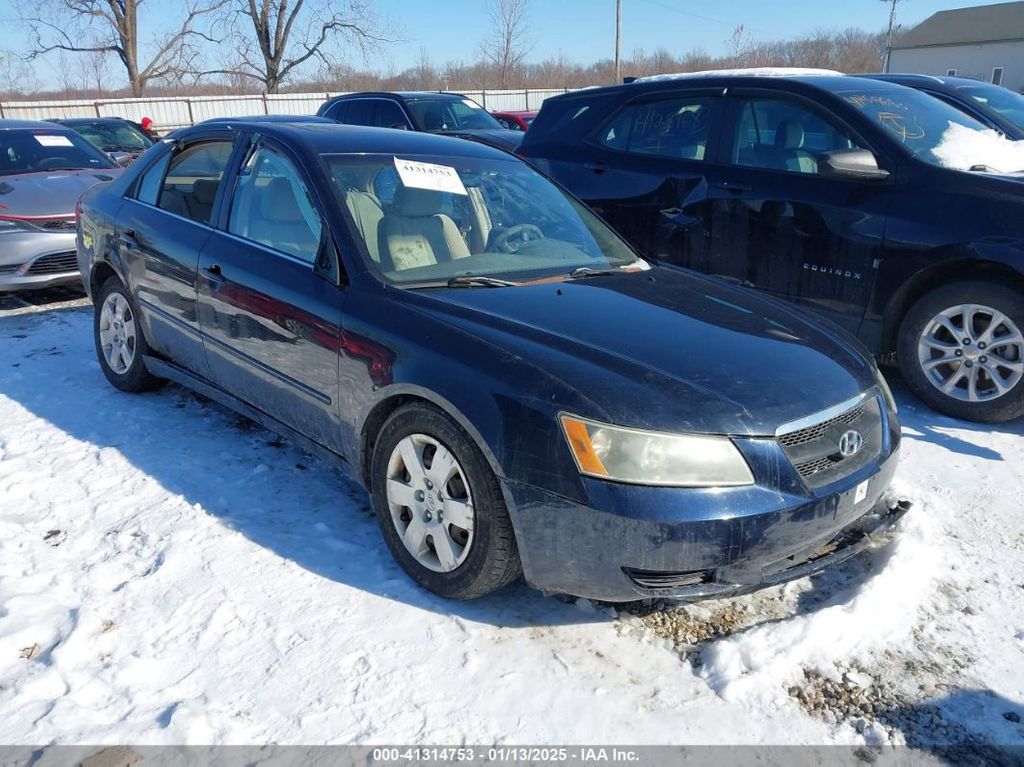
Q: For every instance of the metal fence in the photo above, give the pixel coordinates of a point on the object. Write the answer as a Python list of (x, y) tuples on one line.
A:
[(177, 112)]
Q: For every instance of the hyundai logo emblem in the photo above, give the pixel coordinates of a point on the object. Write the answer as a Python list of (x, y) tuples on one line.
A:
[(850, 443)]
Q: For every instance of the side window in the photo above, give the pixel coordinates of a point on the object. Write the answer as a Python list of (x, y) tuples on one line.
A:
[(152, 181), (782, 135), (390, 115), (337, 111), (676, 128), (272, 206), (359, 112), (192, 180)]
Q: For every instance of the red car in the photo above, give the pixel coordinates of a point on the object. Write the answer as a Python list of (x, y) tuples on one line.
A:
[(514, 120)]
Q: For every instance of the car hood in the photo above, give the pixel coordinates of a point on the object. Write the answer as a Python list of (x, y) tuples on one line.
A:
[(48, 193), (502, 138), (664, 349)]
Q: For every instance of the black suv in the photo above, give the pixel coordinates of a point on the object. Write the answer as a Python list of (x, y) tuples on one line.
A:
[(874, 204), (450, 114), (999, 108)]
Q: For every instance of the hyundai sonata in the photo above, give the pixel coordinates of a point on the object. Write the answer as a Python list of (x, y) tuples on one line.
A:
[(519, 392)]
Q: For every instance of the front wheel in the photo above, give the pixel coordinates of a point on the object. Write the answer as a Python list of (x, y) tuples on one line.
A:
[(439, 506), (961, 350)]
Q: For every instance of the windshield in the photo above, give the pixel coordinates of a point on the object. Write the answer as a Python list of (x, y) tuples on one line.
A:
[(114, 136), (34, 151), (937, 133), (1007, 103), (427, 219), (450, 114)]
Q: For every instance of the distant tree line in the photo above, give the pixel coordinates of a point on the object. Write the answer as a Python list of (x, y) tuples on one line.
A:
[(220, 47)]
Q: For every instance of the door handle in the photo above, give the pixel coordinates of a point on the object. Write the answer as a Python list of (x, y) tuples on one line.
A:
[(214, 274), (735, 186), (597, 166), (128, 238)]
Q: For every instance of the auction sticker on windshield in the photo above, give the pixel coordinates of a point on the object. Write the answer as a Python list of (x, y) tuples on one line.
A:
[(51, 140), (425, 175)]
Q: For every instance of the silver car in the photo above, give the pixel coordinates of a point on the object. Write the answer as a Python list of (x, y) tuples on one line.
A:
[(44, 168)]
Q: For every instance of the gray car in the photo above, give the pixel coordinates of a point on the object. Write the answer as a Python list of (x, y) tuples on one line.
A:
[(44, 169)]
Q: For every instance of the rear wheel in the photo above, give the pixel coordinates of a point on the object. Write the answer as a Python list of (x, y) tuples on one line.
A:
[(439, 506), (120, 344), (961, 349)]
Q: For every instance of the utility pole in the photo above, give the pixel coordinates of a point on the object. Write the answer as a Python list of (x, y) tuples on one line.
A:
[(888, 37), (618, 41)]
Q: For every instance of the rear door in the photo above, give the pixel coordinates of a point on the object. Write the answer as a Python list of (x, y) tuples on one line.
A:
[(783, 226), (269, 299), (648, 169), (162, 228)]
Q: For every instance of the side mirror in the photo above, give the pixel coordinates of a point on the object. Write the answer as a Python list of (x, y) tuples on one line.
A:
[(852, 163)]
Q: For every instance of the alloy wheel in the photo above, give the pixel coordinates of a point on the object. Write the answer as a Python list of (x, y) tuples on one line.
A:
[(430, 502), (117, 333), (971, 352)]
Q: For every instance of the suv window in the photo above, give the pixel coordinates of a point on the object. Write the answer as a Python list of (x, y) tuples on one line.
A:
[(783, 135), (389, 114), (678, 128), (273, 207), (193, 179), (359, 112)]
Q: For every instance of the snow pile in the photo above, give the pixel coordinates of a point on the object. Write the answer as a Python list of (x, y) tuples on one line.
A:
[(963, 148), (748, 72), (878, 614)]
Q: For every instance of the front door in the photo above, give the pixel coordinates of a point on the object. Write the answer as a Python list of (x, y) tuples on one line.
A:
[(780, 224), (269, 302)]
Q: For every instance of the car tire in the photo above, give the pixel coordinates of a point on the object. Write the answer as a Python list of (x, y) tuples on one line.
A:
[(120, 343), (958, 375), (423, 467)]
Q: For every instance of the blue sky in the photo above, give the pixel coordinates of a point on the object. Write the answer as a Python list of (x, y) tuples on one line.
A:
[(583, 30)]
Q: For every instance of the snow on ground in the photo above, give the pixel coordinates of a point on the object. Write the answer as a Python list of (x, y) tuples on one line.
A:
[(170, 573)]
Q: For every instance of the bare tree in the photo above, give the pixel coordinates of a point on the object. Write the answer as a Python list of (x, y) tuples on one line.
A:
[(275, 37), (510, 40), (62, 25)]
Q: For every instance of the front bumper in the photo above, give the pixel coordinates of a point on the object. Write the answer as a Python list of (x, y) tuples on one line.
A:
[(26, 260), (631, 542)]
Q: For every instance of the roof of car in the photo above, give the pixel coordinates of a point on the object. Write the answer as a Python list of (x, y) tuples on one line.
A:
[(916, 79), (9, 124), (401, 94), (328, 137), (85, 120), (250, 119), (818, 79)]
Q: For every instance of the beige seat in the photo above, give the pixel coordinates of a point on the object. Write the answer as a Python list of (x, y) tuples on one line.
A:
[(366, 213), (416, 232), (789, 142)]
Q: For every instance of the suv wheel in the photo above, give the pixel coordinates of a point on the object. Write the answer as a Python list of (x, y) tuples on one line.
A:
[(120, 345), (961, 350), (439, 506)]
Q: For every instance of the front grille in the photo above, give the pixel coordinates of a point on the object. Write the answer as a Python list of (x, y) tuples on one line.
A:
[(55, 264), (814, 449), (55, 224), (812, 433)]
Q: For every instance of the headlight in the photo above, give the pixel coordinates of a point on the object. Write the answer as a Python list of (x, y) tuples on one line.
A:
[(654, 458), (886, 391)]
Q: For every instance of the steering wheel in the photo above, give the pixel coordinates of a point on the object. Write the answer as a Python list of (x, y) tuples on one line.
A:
[(512, 239)]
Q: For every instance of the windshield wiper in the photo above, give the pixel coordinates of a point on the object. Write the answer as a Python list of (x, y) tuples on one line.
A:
[(478, 281), (589, 271)]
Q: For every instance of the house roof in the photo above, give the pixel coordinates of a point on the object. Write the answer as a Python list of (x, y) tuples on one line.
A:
[(967, 26)]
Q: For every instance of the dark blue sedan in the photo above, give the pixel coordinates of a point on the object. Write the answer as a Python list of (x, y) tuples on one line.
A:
[(519, 392)]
